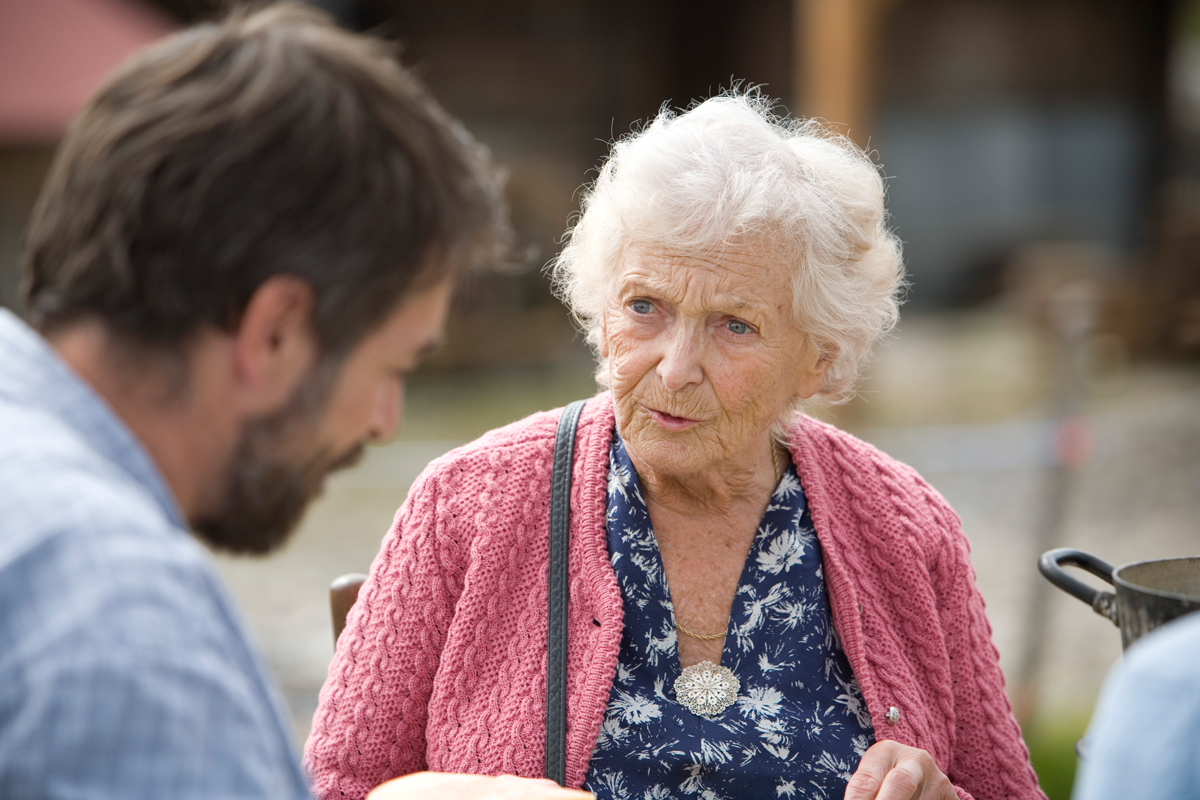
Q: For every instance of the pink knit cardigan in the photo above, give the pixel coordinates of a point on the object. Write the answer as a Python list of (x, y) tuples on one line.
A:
[(442, 664)]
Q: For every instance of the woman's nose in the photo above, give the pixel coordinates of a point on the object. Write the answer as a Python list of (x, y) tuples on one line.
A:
[(680, 364)]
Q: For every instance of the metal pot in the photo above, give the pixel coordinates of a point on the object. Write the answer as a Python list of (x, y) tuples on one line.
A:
[(1148, 594)]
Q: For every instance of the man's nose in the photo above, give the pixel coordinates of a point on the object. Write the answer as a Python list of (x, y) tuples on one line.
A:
[(387, 412)]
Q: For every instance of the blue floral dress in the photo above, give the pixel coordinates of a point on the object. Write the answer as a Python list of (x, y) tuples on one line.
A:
[(799, 725)]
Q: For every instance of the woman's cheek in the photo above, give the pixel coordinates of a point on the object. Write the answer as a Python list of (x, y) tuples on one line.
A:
[(625, 354), (623, 379), (746, 382)]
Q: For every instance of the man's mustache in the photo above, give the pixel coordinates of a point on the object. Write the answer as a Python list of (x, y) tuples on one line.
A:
[(350, 458)]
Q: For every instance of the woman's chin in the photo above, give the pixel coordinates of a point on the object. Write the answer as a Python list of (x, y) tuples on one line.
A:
[(665, 452)]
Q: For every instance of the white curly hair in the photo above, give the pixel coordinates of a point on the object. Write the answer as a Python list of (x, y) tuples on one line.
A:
[(730, 168)]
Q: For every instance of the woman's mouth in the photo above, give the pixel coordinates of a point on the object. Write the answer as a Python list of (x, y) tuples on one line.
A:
[(670, 421)]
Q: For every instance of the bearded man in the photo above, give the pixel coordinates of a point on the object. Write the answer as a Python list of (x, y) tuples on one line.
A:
[(247, 240)]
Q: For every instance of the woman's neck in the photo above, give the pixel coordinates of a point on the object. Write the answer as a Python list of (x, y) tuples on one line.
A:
[(722, 488)]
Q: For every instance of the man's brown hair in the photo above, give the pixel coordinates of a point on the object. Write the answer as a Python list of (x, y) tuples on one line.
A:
[(265, 143)]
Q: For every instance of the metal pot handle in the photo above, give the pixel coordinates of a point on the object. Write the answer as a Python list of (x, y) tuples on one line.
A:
[(1051, 566)]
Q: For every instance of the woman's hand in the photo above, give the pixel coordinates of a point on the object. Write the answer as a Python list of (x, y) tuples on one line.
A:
[(893, 771)]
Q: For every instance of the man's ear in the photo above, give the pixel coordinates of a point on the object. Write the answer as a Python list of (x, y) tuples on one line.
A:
[(273, 346)]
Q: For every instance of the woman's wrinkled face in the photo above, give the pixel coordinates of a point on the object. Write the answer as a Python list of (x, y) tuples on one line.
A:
[(704, 355)]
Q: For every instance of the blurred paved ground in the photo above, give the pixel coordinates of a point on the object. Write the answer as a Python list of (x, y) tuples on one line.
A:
[(962, 399)]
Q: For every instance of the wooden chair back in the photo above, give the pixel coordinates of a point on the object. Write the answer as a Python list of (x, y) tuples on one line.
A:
[(342, 594)]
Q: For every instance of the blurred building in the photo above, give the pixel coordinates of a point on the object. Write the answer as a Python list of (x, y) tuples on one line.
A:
[(1010, 122), (53, 56), (1008, 128), (1001, 123)]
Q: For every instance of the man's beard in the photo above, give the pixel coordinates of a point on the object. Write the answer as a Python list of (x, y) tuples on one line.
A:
[(272, 478)]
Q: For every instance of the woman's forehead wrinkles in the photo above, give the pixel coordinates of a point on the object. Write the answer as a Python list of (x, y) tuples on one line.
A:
[(731, 283)]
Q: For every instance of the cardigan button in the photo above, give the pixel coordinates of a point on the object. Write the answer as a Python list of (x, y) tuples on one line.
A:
[(892, 716)]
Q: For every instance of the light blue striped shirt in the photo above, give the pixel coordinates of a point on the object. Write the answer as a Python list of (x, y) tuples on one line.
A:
[(125, 671)]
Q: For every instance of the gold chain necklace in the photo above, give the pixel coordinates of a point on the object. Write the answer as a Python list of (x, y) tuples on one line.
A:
[(708, 637)]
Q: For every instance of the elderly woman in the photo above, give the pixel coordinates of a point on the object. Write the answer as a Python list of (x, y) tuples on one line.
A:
[(728, 267)]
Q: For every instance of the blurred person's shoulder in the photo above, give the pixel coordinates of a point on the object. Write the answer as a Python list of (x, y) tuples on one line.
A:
[(1144, 737), (89, 553), (59, 487), (1170, 654), (69, 466), (122, 650)]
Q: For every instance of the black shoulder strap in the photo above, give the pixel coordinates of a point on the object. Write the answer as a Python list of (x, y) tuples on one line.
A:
[(556, 654)]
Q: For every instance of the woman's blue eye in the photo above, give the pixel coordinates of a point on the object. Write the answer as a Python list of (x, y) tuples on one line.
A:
[(642, 306), (737, 326)]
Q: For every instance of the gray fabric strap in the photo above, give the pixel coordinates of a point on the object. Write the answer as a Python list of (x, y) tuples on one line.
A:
[(556, 654)]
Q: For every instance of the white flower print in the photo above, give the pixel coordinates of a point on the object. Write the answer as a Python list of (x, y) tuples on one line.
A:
[(734, 726), (818, 791), (779, 751), (612, 732), (851, 698), (861, 744), (830, 643), (641, 539), (794, 614), (649, 564), (714, 752), (800, 525), (784, 551), (658, 647), (613, 784), (789, 487), (772, 731), (756, 610), (694, 782), (634, 709), (821, 722), (765, 666), (841, 767), (650, 752), (618, 481), (761, 701)]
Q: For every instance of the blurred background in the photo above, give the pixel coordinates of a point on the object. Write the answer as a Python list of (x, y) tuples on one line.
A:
[(1043, 163)]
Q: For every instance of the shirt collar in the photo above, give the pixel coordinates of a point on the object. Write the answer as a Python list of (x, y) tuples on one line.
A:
[(32, 374)]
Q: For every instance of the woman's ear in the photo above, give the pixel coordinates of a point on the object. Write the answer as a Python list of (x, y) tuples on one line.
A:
[(815, 366), (602, 339)]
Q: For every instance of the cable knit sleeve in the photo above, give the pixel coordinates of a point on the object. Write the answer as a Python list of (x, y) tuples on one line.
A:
[(989, 757), (912, 621), (370, 722)]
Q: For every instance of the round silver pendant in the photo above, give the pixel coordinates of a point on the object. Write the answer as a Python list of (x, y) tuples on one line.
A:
[(706, 689)]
